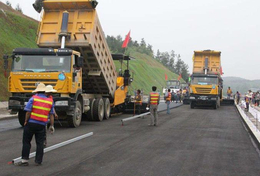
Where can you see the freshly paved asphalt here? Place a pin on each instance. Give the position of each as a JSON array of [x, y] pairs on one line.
[[186, 142]]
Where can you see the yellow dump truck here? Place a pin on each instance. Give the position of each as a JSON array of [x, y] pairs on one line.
[[73, 57], [206, 83]]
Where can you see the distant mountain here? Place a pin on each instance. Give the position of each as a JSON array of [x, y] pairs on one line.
[[240, 84]]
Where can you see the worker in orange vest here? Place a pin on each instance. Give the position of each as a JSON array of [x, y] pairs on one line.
[[168, 97], [39, 108], [138, 101], [48, 92], [229, 93], [153, 101]]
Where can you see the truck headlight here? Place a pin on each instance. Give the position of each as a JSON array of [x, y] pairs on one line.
[[61, 103], [14, 102], [213, 98], [192, 98]]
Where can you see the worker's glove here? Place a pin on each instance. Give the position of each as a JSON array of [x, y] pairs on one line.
[[52, 129]]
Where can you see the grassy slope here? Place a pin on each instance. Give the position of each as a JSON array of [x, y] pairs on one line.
[[147, 72], [15, 31]]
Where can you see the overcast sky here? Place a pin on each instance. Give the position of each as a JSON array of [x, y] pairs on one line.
[[230, 26]]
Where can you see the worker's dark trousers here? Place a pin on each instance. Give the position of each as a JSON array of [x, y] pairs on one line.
[[39, 131], [138, 108]]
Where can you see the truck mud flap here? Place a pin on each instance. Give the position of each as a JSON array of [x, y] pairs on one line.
[[227, 102]]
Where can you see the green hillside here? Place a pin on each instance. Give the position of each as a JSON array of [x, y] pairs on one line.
[[146, 72], [15, 31]]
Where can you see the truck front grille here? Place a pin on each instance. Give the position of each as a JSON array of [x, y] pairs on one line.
[[202, 90], [29, 84]]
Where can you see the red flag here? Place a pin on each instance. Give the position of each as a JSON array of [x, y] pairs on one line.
[[166, 77], [179, 77], [220, 70], [127, 38]]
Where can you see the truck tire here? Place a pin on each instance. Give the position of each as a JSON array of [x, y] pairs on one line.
[[98, 109], [75, 119], [90, 112], [107, 108], [21, 117], [192, 105]]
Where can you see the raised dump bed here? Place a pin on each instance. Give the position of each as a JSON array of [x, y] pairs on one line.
[[212, 61], [84, 34]]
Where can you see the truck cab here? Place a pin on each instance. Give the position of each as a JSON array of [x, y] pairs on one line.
[[205, 90], [174, 85], [60, 68]]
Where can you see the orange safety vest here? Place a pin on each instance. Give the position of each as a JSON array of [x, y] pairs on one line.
[[41, 108], [169, 97], [247, 99], [154, 97], [138, 102], [229, 91]]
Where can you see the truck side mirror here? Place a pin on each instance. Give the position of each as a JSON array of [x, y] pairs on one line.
[[79, 62]]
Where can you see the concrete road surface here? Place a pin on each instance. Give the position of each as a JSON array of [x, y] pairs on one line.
[[187, 142]]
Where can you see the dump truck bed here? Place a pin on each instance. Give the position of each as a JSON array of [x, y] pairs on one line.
[[214, 64], [85, 35]]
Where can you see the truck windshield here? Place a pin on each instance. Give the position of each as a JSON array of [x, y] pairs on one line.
[[42, 63], [172, 84], [204, 80]]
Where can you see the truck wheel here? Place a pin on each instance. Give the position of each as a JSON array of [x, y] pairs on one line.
[[21, 117], [192, 105], [98, 109], [90, 112], [75, 119], [107, 108]]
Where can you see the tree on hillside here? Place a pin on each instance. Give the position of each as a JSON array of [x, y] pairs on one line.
[[150, 48], [8, 3], [157, 57], [185, 72], [18, 8], [143, 44], [171, 61], [164, 58], [135, 43], [178, 64], [115, 44]]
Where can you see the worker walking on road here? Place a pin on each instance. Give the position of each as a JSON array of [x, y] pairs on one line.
[[168, 97], [238, 97], [138, 101], [39, 108], [229, 93], [153, 101], [48, 92]]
